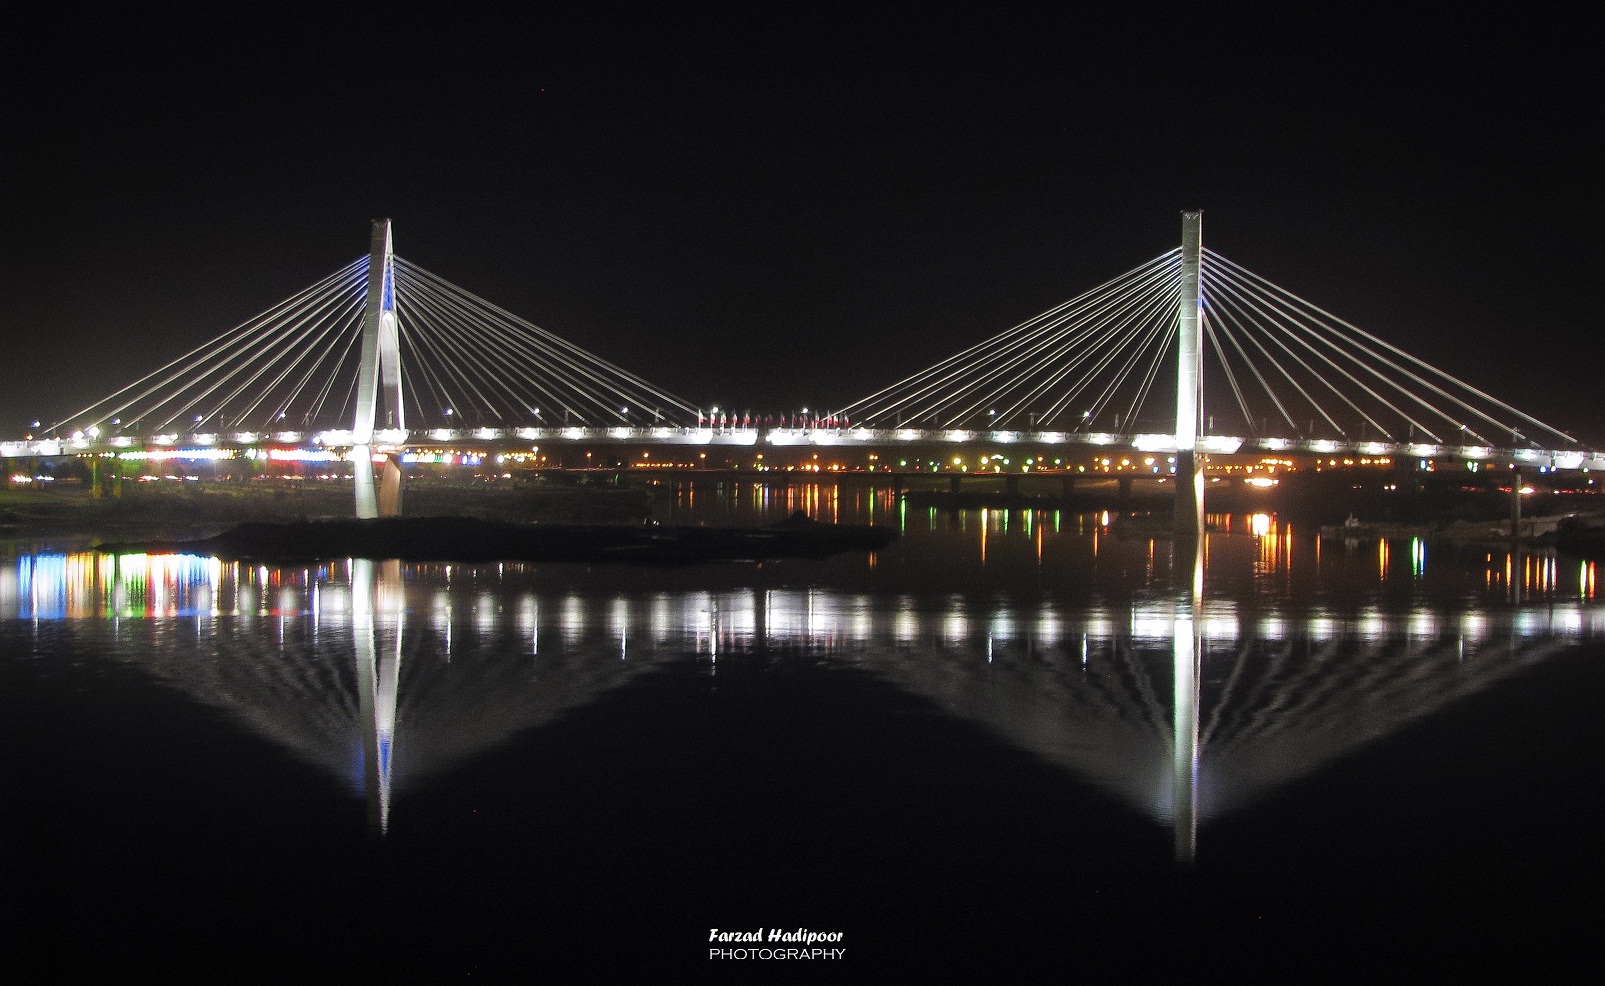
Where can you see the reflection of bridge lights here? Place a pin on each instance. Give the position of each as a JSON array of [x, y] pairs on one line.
[[661, 617], [1049, 628], [572, 620], [905, 621], [1423, 623], [334, 599], [1260, 524], [1221, 624], [955, 624], [1567, 619], [618, 616], [1527, 622], [1152, 626], [1372, 625], [1002, 625], [1322, 629], [485, 614]]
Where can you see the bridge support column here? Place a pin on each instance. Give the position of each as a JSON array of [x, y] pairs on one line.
[[1189, 371], [390, 487], [362, 478], [952, 484], [380, 365], [1515, 503], [1011, 485]]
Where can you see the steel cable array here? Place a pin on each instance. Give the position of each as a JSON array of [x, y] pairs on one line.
[[465, 363], [1274, 366]]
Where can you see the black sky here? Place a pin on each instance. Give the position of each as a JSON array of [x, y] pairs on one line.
[[771, 209]]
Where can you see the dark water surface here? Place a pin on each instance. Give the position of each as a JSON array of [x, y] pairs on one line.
[[1012, 743]]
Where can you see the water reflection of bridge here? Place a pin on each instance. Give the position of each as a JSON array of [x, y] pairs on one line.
[[1183, 705]]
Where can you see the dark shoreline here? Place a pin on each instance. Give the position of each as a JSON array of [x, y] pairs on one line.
[[612, 516], [471, 540]]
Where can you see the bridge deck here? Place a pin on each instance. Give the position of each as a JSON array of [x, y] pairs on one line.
[[502, 439]]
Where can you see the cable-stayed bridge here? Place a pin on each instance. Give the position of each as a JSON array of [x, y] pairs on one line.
[[1188, 354]]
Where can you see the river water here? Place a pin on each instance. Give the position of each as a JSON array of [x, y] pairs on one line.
[[1012, 738]]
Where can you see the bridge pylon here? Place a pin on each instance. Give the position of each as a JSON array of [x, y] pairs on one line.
[[1189, 374], [378, 385]]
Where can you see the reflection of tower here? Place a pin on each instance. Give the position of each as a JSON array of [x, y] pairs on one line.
[[1284, 694], [1184, 731], [760, 620], [375, 591], [313, 664]]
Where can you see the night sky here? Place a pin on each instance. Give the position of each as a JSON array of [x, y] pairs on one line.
[[769, 209]]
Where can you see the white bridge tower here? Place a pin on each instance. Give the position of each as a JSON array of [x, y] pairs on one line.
[[376, 418], [1189, 374]]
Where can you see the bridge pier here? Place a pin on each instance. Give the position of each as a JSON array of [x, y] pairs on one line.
[[1515, 503], [363, 479], [390, 487], [953, 484], [1011, 485]]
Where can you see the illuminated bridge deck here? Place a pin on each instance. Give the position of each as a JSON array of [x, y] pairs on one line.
[[337, 443]]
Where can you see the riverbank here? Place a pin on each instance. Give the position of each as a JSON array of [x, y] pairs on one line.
[[472, 540], [198, 508]]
